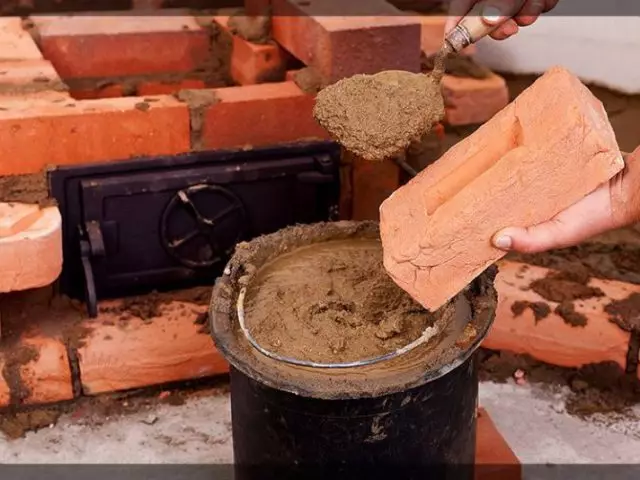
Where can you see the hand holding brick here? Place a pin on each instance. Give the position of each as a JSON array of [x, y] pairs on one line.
[[539, 155]]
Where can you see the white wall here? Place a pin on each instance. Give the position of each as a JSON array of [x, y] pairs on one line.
[[602, 50]]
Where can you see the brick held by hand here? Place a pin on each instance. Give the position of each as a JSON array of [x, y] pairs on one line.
[[543, 152]]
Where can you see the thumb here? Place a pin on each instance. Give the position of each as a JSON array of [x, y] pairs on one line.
[[539, 238]]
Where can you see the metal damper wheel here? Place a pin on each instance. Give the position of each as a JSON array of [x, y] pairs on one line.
[[201, 225]]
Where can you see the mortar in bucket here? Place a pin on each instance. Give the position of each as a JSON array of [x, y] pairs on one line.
[[335, 371]]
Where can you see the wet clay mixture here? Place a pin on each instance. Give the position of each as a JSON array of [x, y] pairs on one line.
[[331, 303], [31, 188], [599, 388], [378, 116]]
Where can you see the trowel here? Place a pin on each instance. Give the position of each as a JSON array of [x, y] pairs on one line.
[[379, 116]]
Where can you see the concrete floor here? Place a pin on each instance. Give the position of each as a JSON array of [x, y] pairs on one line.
[[530, 417]]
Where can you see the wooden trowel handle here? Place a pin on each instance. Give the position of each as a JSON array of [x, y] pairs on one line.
[[484, 18]]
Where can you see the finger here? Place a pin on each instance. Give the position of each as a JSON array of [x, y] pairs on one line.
[[530, 12], [550, 5], [506, 30], [457, 10], [588, 217]]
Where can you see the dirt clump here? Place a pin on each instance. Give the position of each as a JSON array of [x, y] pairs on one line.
[[567, 311], [457, 65], [28, 188], [14, 359], [625, 313], [378, 116], [617, 261], [565, 286], [332, 302], [309, 80], [254, 29], [540, 310], [15, 425], [595, 389]]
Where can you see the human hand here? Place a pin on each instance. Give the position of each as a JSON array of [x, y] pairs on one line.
[[527, 15], [613, 205]]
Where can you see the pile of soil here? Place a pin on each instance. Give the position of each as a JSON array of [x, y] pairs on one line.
[[457, 65], [378, 116], [332, 302], [599, 388], [30, 188]]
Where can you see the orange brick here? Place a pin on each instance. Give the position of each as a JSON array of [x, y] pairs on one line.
[[432, 35], [335, 45], [92, 46], [46, 133], [121, 355], [46, 378], [252, 63], [15, 42], [536, 157], [494, 458], [260, 115], [372, 183], [16, 217], [168, 88], [470, 101], [551, 340], [32, 257]]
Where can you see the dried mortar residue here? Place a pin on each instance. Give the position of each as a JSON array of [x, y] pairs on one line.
[[626, 313], [378, 116], [331, 303], [565, 287], [309, 80], [598, 388], [540, 310], [29, 188], [255, 29], [198, 101], [457, 65]]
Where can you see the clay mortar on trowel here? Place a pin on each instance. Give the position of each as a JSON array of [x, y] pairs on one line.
[[378, 116]]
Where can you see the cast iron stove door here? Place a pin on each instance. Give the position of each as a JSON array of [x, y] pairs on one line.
[[169, 222]]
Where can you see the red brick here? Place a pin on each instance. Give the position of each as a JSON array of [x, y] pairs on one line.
[[40, 133], [112, 90], [257, 7], [513, 171], [31, 257], [16, 217], [259, 115], [470, 101], [131, 353], [494, 458], [47, 378], [15, 42], [551, 340], [341, 46], [92, 46], [372, 183], [168, 88], [252, 63]]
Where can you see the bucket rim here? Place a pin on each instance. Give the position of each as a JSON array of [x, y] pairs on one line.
[[478, 300]]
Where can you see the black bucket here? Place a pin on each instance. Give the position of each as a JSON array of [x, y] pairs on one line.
[[409, 417]]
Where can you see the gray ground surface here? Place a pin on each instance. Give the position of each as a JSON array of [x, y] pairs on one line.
[[532, 419]]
